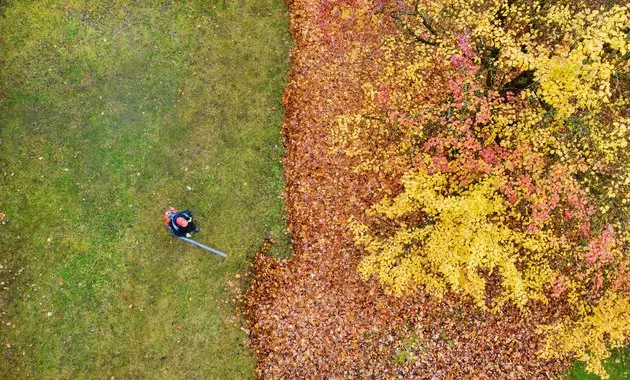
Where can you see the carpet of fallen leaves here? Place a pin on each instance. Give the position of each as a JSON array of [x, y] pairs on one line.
[[311, 315]]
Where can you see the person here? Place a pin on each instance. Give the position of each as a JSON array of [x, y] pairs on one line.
[[180, 223]]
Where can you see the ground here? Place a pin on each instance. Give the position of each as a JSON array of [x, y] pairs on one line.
[[109, 114]]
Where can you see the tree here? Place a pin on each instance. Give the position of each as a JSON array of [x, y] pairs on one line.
[[505, 126]]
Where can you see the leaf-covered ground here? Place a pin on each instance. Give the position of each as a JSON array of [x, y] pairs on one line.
[[312, 316], [110, 112]]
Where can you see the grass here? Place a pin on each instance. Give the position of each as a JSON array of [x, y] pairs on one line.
[[617, 366], [109, 113]]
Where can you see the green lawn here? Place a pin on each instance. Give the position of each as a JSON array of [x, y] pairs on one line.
[[618, 367], [109, 113]]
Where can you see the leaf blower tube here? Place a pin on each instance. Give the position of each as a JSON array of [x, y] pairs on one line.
[[191, 241]]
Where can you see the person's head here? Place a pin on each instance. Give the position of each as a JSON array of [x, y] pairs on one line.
[[181, 221]]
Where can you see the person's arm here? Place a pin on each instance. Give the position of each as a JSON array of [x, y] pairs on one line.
[[188, 215]]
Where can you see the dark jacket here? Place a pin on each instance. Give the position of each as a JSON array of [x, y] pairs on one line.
[[179, 230]]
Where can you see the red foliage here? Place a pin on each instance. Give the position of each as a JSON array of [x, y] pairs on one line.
[[599, 249]]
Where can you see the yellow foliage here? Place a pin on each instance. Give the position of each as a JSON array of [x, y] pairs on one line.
[[574, 73], [463, 242], [592, 337]]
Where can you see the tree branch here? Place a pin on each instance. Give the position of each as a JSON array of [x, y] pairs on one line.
[[396, 16], [519, 83]]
